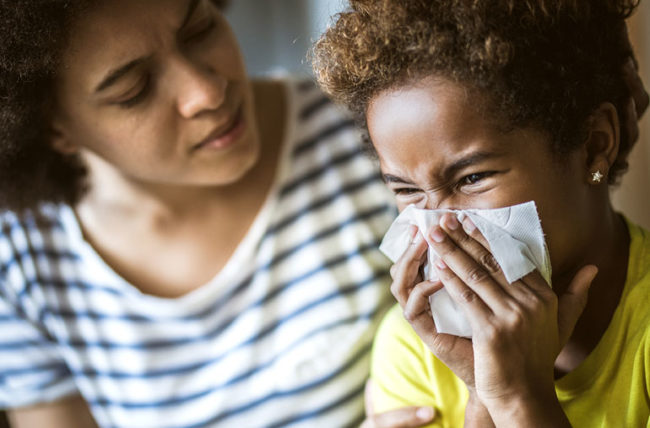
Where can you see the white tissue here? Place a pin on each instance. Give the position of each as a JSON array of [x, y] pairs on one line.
[[516, 241]]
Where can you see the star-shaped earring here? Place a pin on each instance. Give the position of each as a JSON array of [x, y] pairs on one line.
[[597, 176]]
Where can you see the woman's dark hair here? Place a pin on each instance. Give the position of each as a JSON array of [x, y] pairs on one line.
[[542, 63], [33, 36]]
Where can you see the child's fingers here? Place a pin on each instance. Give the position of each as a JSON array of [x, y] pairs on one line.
[[418, 301], [474, 244], [470, 229], [475, 309], [405, 271], [469, 282], [573, 301]]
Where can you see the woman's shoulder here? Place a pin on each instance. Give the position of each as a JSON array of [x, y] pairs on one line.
[[35, 238], [21, 228]]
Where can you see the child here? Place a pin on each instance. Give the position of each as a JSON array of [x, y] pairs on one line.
[[487, 104]]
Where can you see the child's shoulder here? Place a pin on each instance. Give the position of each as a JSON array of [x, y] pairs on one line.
[[638, 276]]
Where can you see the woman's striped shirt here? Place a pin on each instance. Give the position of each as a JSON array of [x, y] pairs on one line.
[[280, 337]]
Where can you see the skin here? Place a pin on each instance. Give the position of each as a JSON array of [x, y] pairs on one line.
[[523, 333]]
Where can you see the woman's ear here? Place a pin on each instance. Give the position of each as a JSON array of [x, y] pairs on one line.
[[602, 143], [60, 141]]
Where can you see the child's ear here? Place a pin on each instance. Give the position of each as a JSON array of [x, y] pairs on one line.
[[60, 141], [602, 143]]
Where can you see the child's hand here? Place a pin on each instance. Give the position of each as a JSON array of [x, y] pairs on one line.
[[412, 294], [518, 329]]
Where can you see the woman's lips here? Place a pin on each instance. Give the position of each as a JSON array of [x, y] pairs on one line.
[[221, 139]]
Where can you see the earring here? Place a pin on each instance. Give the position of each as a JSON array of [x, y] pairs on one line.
[[597, 176]]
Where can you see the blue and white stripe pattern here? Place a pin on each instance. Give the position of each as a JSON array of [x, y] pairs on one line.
[[280, 337]]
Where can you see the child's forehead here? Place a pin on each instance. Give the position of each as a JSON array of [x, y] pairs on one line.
[[431, 111]]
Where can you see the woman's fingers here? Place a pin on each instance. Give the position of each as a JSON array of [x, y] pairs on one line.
[[406, 270], [406, 417], [573, 301]]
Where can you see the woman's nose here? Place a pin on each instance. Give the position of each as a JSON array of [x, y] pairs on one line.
[[199, 89]]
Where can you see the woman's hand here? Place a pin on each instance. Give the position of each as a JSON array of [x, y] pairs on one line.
[[406, 417], [518, 329]]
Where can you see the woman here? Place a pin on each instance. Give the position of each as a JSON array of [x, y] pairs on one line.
[[179, 247], [489, 104]]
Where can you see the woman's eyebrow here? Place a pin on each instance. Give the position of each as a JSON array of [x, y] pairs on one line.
[[117, 73], [190, 11]]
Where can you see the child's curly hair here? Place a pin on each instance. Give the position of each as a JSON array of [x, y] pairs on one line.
[[542, 63], [33, 35]]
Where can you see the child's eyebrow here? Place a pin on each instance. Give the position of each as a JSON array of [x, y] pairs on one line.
[[389, 178], [450, 170], [464, 162]]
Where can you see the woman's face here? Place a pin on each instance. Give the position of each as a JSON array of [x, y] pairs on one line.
[[158, 90], [437, 151]]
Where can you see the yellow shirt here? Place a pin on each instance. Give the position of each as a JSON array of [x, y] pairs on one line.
[[610, 388]]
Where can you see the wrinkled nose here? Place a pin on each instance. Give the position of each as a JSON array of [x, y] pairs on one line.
[[436, 200], [199, 89]]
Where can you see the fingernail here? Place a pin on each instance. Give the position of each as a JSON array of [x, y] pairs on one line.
[[452, 222], [440, 264], [424, 413], [468, 225], [437, 234], [418, 238]]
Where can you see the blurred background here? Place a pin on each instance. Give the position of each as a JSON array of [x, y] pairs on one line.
[[287, 29], [292, 25]]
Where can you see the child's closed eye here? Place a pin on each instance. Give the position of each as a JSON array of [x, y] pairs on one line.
[[405, 191]]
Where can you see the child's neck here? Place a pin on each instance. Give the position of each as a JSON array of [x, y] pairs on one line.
[[610, 254]]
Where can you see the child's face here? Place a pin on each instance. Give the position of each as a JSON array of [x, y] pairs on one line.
[[437, 151]]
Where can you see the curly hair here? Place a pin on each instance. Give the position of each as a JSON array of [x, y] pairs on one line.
[[544, 63], [33, 37]]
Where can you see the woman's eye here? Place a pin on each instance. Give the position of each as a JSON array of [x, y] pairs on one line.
[[203, 31], [137, 98]]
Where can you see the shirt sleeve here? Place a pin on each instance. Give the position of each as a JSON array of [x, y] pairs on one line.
[[405, 373], [32, 370]]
